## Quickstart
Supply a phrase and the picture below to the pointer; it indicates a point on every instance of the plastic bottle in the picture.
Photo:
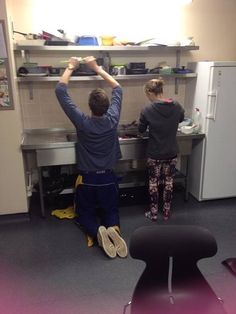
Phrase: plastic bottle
(197, 120)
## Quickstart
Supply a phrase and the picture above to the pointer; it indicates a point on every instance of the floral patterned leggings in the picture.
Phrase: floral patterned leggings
(160, 172)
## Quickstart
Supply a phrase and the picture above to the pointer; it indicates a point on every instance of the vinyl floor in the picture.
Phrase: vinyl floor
(46, 267)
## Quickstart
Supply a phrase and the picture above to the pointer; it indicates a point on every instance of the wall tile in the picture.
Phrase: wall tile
(40, 108)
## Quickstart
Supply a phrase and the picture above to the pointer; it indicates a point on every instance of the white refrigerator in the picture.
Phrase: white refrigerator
(212, 170)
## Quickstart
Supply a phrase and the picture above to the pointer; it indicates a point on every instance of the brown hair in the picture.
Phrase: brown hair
(154, 86)
(98, 102)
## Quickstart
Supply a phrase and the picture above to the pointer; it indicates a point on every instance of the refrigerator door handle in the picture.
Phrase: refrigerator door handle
(211, 105)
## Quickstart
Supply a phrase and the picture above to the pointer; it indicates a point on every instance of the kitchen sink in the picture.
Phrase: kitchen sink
(132, 146)
(57, 148)
(122, 134)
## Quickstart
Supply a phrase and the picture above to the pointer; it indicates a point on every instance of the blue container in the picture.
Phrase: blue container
(87, 41)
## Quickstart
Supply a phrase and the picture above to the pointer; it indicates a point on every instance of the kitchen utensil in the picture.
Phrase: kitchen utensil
(186, 121)
(155, 70)
(54, 71)
(143, 42)
(84, 70)
(31, 70)
(136, 65)
(27, 35)
(182, 70)
(136, 71)
(49, 36)
(187, 129)
(52, 40)
(165, 70)
(86, 41)
(56, 43)
(118, 70)
(31, 42)
(107, 40)
(80, 59)
(136, 68)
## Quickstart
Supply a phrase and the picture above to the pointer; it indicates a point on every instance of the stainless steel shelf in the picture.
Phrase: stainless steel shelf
(56, 78)
(25, 51)
(81, 48)
(106, 48)
(95, 77)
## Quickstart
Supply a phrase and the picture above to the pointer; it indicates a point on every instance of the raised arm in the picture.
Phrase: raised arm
(92, 64)
(73, 63)
(90, 61)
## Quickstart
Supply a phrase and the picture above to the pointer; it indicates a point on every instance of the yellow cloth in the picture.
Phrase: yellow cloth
(90, 241)
(68, 213)
(79, 180)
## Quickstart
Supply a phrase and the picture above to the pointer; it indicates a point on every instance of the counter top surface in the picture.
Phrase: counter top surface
(59, 138)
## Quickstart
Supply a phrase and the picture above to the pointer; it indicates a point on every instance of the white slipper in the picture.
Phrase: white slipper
(119, 242)
(105, 242)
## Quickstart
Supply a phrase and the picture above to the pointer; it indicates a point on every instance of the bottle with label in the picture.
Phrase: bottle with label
(196, 120)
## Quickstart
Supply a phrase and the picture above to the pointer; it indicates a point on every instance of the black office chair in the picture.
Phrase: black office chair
(171, 282)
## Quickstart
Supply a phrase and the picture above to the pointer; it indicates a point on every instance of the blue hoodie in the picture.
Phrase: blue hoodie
(98, 144)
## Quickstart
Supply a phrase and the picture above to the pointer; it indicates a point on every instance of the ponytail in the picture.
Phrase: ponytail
(154, 86)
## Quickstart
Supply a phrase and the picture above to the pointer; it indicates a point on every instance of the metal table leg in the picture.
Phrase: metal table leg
(186, 179)
(42, 207)
(184, 169)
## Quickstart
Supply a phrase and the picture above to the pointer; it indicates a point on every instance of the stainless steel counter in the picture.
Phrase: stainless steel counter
(57, 146)
(58, 138)
(50, 147)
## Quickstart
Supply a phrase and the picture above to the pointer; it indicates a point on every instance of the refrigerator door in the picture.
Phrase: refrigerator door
(219, 168)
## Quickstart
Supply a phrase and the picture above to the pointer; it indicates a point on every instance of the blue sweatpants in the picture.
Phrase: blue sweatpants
(96, 201)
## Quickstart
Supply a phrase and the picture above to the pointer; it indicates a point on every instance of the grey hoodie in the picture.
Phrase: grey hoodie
(162, 119)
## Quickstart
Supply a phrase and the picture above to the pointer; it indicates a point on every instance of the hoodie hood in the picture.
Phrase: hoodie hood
(164, 108)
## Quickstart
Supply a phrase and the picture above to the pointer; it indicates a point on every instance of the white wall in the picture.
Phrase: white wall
(12, 184)
(212, 23)
(124, 19)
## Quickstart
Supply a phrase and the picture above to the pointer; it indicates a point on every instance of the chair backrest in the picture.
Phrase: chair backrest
(171, 281)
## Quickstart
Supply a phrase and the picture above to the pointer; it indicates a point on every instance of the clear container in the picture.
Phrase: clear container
(197, 120)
